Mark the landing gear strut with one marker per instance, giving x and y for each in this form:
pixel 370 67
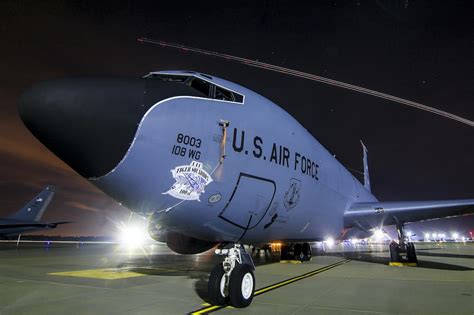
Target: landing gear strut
pixel 403 251
pixel 297 251
pixel 233 280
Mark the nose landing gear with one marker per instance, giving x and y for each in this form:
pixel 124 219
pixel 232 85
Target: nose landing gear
pixel 233 280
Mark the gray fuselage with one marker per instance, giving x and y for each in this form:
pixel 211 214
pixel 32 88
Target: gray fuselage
pixel 276 182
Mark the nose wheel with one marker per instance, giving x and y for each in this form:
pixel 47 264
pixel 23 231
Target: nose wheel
pixel 233 280
pixel 241 286
pixel 217 286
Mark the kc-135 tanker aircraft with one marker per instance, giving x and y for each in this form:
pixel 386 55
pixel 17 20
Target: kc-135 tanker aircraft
pixel 209 162
pixel 28 218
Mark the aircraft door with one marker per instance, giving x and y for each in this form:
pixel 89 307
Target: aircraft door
pixel 249 202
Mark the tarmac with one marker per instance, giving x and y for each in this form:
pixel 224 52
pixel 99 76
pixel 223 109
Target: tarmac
pixel 343 279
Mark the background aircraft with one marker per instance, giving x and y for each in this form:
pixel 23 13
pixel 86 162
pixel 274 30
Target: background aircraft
pixel 209 162
pixel 27 219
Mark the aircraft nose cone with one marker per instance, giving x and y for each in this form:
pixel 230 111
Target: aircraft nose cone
pixel 88 123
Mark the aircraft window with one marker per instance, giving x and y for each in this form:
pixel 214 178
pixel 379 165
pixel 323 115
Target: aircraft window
pixel 170 77
pixel 202 86
pixel 222 94
pixel 208 89
pixel 226 95
pixel 238 98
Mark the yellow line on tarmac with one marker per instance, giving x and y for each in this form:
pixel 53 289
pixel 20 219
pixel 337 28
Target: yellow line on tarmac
pixel 298 278
pixel 208 309
pixel 213 308
pixel 102 273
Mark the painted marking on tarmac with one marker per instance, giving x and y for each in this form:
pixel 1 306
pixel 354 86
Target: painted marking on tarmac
pixel 213 308
pixel 103 273
pixel 290 262
pixel 401 264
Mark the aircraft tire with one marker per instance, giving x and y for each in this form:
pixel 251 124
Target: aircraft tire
pixel 241 286
pixel 298 249
pixel 215 286
pixel 284 252
pixel 307 251
pixel 411 253
pixel 394 252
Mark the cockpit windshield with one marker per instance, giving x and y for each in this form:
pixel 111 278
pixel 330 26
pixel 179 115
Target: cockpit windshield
pixel 206 88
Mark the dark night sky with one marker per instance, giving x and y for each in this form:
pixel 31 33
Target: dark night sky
pixel 423 52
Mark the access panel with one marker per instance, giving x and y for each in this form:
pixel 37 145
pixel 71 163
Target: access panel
pixel 249 202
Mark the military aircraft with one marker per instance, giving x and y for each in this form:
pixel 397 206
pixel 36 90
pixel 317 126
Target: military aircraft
pixel 27 219
pixel 210 162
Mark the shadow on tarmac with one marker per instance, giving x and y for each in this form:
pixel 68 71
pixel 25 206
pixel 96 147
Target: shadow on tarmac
pixel 196 267
pixel 367 256
pixel 420 253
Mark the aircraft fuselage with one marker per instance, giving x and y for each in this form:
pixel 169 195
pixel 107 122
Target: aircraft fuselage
pixel 276 181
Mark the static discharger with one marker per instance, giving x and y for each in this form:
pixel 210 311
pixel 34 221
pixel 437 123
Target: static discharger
pixel 313 77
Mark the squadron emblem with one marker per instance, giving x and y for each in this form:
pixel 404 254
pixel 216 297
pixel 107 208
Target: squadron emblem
pixel 292 196
pixel 190 181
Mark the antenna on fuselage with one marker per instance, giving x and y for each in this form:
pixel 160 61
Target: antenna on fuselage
pixel 313 77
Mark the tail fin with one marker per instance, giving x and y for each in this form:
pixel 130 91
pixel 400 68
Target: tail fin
pixel 33 210
pixel 366 167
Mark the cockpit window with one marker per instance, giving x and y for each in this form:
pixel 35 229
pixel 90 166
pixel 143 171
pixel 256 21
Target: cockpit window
pixel 202 86
pixel 207 89
pixel 222 94
pixel 170 77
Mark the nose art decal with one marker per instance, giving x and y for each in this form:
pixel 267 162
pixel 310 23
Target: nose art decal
pixel 190 181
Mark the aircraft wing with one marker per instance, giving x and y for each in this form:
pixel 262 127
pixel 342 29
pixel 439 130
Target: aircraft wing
pixel 369 215
pixel 31 224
